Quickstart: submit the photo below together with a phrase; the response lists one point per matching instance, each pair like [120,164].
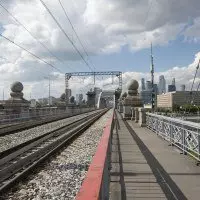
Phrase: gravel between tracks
[61,177]
[12,140]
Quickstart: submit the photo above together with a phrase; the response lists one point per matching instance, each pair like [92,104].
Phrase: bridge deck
[145,167]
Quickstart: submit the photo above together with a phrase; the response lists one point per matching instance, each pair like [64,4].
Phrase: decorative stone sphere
[62,97]
[17,87]
[133,85]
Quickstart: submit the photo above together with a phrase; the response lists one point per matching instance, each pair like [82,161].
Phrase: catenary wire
[84,49]
[41,43]
[61,28]
[52,66]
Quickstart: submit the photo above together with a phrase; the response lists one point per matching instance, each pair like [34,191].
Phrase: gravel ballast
[62,176]
[12,140]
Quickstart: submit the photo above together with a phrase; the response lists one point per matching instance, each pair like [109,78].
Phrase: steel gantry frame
[94,74]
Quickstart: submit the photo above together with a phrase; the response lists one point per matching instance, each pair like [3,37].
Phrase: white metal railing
[183,134]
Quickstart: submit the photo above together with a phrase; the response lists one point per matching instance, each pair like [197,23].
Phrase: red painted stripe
[91,186]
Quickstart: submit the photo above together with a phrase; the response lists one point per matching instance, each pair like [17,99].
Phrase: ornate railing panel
[183,134]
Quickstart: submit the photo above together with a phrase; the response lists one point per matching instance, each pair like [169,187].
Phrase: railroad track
[17,127]
[16,164]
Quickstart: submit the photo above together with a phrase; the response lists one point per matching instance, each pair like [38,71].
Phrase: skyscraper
[148,86]
[142,84]
[173,81]
[172,87]
[162,85]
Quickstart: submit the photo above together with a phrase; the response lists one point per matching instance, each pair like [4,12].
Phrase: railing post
[142,117]
[170,133]
[137,115]
[183,141]
[132,113]
[157,121]
[162,126]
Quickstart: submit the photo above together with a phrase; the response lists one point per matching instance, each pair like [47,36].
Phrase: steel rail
[14,150]
[13,172]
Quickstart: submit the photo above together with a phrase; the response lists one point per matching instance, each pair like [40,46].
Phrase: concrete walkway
[181,168]
[131,176]
[145,167]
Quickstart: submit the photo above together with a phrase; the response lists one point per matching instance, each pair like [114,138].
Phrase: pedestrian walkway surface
[137,174]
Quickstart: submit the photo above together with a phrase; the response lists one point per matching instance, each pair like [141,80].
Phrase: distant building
[148,86]
[33,103]
[142,84]
[155,87]
[146,95]
[173,82]
[79,98]
[183,87]
[162,84]
[46,101]
[43,101]
[171,88]
[91,98]
[177,98]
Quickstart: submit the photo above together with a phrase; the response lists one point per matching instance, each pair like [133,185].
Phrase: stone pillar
[133,114]
[127,112]
[136,115]
[142,117]
[17,104]
[132,100]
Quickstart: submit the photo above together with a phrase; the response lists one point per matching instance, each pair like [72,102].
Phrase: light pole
[152,82]
[49,88]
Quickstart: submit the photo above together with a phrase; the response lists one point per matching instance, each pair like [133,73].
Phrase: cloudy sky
[116,35]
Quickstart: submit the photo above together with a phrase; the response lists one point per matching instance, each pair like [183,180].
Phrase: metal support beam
[111,73]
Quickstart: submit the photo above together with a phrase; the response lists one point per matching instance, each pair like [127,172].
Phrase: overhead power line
[84,49]
[41,43]
[148,11]
[61,28]
[52,66]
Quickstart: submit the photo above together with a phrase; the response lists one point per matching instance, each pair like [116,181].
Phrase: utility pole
[152,82]
[49,87]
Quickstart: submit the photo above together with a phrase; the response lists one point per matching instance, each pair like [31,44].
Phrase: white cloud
[105,26]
